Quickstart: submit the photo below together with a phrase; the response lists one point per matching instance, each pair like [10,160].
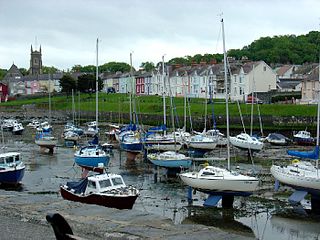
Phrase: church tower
[35,62]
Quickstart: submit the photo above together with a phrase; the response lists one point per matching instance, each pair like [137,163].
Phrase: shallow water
[254,217]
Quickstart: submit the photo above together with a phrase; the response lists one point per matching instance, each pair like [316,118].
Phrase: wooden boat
[105,189]
[11,168]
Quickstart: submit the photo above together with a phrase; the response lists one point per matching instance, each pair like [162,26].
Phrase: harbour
[162,206]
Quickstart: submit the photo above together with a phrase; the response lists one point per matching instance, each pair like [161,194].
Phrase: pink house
[140,85]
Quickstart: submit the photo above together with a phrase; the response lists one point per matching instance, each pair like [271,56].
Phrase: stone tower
[35,62]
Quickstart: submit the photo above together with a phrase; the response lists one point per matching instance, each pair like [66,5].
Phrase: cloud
[67,29]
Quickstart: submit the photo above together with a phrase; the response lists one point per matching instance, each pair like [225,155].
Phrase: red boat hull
[119,202]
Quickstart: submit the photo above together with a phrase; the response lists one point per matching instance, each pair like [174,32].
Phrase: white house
[252,77]
[309,88]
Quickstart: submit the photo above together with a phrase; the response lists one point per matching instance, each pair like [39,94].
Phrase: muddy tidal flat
[161,211]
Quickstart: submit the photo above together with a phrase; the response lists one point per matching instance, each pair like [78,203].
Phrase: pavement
[23,217]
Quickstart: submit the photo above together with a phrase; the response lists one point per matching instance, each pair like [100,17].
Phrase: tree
[51,69]
[67,83]
[148,66]
[87,83]
[3,72]
[113,67]
[23,71]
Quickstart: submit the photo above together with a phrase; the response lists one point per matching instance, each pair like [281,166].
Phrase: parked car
[111,90]
[254,100]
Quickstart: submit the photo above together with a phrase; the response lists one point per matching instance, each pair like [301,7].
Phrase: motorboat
[247,142]
[17,129]
[91,156]
[11,168]
[212,179]
[170,159]
[303,138]
[34,124]
[7,124]
[106,189]
[277,139]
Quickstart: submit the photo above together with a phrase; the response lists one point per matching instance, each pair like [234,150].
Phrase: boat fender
[295,161]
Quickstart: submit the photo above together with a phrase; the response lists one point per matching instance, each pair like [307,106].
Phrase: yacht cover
[310,154]
[78,187]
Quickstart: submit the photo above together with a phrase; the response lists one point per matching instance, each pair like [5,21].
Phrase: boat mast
[185,107]
[206,104]
[226,93]
[131,89]
[73,107]
[252,96]
[164,96]
[49,97]
[318,115]
[97,87]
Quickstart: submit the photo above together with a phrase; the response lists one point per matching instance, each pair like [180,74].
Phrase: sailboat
[302,175]
[216,180]
[130,140]
[200,141]
[44,138]
[170,159]
[163,141]
[92,156]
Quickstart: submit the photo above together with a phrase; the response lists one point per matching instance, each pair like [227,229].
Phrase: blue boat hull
[11,176]
[172,163]
[131,147]
[91,162]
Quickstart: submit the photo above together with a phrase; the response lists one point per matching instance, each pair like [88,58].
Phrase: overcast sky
[67,29]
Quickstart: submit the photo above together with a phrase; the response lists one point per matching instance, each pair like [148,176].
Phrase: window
[117,181]
[264,68]
[2,161]
[91,184]
[105,183]
[17,158]
[10,159]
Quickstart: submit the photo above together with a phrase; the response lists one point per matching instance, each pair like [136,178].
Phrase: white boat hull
[46,143]
[296,179]
[203,145]
[243,144]
[221,181]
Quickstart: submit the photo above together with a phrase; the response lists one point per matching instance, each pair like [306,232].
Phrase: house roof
[289,84]
[313,75]
[283,69]
[247,67]
[13,73]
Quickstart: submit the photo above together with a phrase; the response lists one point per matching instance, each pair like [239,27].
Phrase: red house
[3,92]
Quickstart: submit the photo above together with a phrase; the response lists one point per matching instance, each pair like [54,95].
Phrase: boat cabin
[9,158]
[104,183]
